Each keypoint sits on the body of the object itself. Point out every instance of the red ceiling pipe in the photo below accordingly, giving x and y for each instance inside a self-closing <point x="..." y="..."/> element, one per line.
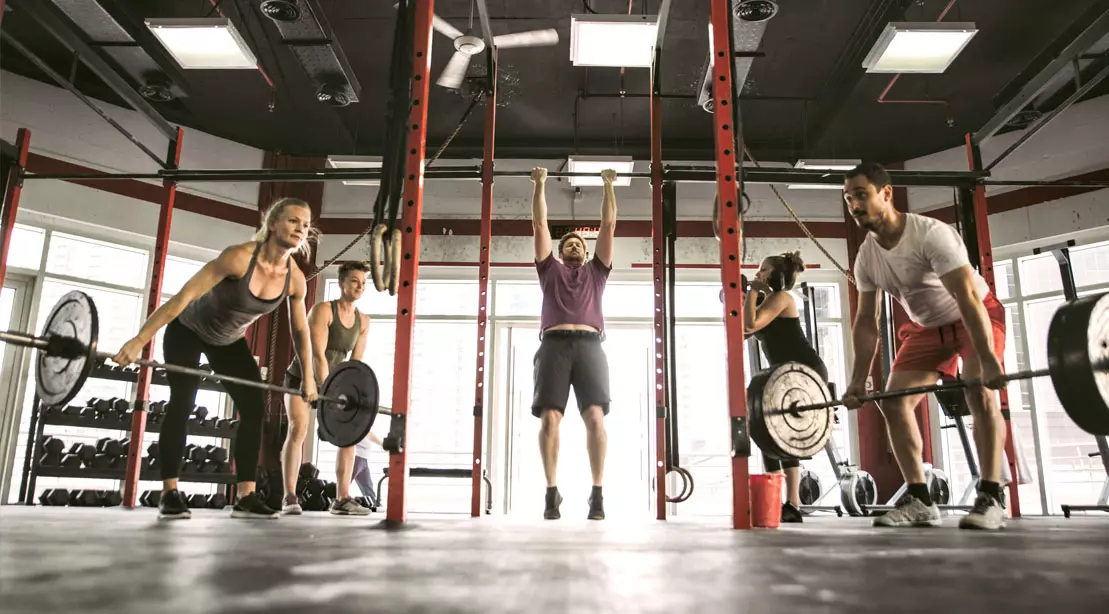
<point x="727" y="179"/>
<point x="484" y="257"/>
<point x="153" y="301"/>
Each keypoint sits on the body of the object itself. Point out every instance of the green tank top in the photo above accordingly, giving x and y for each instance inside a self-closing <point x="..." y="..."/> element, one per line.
<point x="340" y="340"/>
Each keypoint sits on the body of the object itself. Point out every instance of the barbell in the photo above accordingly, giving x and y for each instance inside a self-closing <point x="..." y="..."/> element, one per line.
<point x="790" y="409"/>
<point x="67" y="355"/>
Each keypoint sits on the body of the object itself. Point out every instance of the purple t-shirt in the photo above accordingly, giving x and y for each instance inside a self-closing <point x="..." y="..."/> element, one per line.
<point x="572" y="294"/>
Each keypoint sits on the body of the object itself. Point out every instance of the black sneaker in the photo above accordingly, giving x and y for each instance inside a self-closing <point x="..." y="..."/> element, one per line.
<point x="596" y="506"/>
<point x="791" y="513"/>
<point x="553" y="501"/>
<point x="172" y="506"/>
<point x="252" y="506"/>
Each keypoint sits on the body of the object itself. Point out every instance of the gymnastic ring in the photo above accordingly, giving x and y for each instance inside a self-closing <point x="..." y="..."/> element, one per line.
<point x="738" y="215"/>
<point x="689" y="476"/>
<point x="687" y="486"/>
<point x="377" y="256"/>
<point x="392" y="263"/>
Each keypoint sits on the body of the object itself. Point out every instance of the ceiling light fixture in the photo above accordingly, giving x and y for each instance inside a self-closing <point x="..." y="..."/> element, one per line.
<point x="621" y="41"/>
<point x="911" y="47"/>
<point x="835" y="167"/>
<point x="356" y="162"/>
<point x="595" y="164"/>
<point x="203" y="43"/>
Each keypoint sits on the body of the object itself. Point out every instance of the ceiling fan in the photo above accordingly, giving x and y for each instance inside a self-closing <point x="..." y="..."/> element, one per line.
<point x="467" y="45"/>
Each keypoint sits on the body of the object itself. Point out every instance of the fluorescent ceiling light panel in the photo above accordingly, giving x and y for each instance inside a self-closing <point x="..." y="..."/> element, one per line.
<point x="595" y="164"/>
<point x="911" y="47"/>
<point x="203" y="42"/>
<point x="613" y="40"/>
<point x="356" y="162"/>
<point x="836" y="167"/>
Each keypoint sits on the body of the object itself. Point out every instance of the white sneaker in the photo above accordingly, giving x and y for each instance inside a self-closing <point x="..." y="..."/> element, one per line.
<point x="349" y="507"/>
<point x="910" y="512"/>
<point x="291" y="506"/>
<point x="988" y="514"/>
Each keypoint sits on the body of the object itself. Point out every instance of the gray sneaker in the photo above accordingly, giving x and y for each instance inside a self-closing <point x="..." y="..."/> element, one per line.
<point x="291" y="506"/>
<point x="987" y="514"/>
<point x="910" y="512"/>
<point x="349" y="507"/>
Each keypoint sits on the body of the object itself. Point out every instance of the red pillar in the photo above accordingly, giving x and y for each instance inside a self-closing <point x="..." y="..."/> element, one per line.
<point x="483" y="282"/>
<point x="727" y="180"/>
<point x="153" y="301"/>
<point x="410" y="259"/>
<point x="11" y="198"/>
<point x="985" y="267"/>
<point x="658" y="251"/>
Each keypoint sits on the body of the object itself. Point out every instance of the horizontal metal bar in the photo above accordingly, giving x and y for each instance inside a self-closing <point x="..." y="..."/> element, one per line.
<point x="1047" y="184"/>
<point x="670" y="173"/>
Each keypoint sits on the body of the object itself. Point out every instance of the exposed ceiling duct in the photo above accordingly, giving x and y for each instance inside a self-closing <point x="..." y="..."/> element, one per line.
<point x="748" y="26"/>
<point x="305" y="31"/>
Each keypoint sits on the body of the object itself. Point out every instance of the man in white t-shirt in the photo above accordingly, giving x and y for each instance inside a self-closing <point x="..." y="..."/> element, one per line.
<point x="361" y="474"/>
<point x="923" y="264"/>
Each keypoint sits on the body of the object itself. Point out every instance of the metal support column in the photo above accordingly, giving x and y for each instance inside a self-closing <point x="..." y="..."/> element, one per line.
<point x="658" y="250"/>
<point x="483" y="280"/>
<point x="981" y="231"/>
<point x="412" y="204"/>
<point x="14" y="190"/>
<point x="726" y="129"/>
<point x="153" y="300"/>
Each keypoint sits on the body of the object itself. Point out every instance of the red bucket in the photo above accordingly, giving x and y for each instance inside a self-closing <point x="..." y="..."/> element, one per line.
<point x="766" y="500"/>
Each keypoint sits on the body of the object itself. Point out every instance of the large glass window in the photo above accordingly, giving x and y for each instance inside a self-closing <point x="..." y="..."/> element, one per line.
<point x="85" y="258"/>
<point x="25" y="250"/>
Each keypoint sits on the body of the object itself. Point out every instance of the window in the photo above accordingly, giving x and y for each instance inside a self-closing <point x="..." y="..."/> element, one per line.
<point x="1091" y="264"/>
<point x="518" y="298"/>
<point x="697" y="300"/>
<point x="97" y="261"/>
<point x="434" y="297"/>
<point x="1004" y="281"/>
<point x="629" y="300"/>
<point x="25" y="250"/>
<point x="826" y="301"/>
<point x="1039" y="274"/>
<point x="177" y="272"/>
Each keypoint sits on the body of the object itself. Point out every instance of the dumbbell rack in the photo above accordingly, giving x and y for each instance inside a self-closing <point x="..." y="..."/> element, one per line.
<point x="33" y="469"/>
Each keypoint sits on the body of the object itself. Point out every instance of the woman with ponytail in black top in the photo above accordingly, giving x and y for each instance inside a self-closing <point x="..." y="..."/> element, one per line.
<point x="776" y="323"/>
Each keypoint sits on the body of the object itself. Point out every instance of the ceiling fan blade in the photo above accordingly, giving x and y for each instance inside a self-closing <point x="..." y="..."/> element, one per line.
<point x="534" y="38"/>
<point x="441" y="26"/>
<point x="455" y="71"/>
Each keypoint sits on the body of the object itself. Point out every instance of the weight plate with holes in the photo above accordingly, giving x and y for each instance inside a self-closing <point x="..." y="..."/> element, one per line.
<point x="809" y="487"/>
<point x="1077" y="341"/>
<point x="939" y="488"/>
<point x="857" y="489"/>
<point x="788" y="435"/>
<point x="57" y="378"/>
<point x="345" y="426"/>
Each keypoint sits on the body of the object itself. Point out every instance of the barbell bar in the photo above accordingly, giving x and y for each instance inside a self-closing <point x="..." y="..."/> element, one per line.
<point x="790" y="406"/>
<point x="67" y="354"/>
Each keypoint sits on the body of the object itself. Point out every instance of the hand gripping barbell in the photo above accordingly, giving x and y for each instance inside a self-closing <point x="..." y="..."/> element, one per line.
<point x="790" y="409"/>
<point x="67" y="355"/>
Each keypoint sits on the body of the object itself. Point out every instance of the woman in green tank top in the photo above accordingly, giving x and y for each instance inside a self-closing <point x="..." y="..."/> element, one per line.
<point x="338" y="330"/>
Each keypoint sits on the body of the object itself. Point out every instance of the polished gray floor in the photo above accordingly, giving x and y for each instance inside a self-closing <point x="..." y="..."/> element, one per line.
<point x="120" y="561"/>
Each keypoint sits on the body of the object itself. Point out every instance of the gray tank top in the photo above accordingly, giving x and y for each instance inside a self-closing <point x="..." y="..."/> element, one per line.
<point x="340" y="340"/>
<point x="222" y="315"/>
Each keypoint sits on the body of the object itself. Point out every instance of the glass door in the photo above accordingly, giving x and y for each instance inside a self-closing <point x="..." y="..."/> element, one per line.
<point x="13" y="316"/>
<point x="630" y="453"/>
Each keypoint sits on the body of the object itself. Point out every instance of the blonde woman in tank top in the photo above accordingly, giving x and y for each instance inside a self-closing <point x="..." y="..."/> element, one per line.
<point x="338" y="331"/>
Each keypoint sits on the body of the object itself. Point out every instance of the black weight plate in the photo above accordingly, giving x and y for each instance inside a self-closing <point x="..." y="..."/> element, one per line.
<point x="57" y="379"/>
<point x="809" y="488"/>
<point x="1077" y="340"/>
<point x="789" y="435"/>
<point x="354" y="381"/>
<point x="939" y="489"/>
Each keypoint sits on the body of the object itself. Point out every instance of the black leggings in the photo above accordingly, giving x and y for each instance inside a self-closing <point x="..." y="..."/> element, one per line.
<point x="183" y="347"/>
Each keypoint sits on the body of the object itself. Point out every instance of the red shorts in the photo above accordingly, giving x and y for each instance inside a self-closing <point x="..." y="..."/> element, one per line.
<point x="937" y="349"/>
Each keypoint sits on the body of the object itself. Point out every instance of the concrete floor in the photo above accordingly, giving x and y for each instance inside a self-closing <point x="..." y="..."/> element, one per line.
<point x="119" y="561"/>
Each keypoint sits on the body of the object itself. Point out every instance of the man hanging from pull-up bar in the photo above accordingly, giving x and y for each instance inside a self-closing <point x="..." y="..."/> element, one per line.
<point x="923" y="263"/>
<point x="572" y="326"/>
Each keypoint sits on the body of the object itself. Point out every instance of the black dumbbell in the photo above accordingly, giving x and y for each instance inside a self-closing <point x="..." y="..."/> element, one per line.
<point x="199" y="413"/>
<point x="102" y="461"/>
<point x="216" y="453"/>
<point x="329" y="490"/>
<point x="118" y="404"/>
<point x="88" y="412"/>
<point x="72" y="410"/>
<point x="85" y="498"/>
<point x="223" y="424"/>
<point x="53" y="445"/>
<point x="150" y="498"/>
<point x="208" y="467"/>
<point x="209" y="423"/>
<point x="110" y="447"/>
<point x="98" y="404"/>
<point x="54" y="497"/>
<point x="196" y="453"/>
<point x="111" y="498"/>
<point x="224" y="467"/>
<point x="70" y="461"/>
<point x="83" y="451"/>
<point x="157" y="407"/>
<point x="309" y="471"/>
<point x="197" y="501"/>
<point x="217" y="501"/>
<point x="190" y="467"/>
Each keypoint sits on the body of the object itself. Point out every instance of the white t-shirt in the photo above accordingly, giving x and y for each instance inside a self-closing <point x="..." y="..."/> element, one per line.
<point x="911" y="271"/>
<point x="362" y="448"/>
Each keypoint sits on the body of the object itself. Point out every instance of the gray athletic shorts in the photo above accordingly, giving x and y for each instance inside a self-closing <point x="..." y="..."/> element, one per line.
<point x="570" y="358"/>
